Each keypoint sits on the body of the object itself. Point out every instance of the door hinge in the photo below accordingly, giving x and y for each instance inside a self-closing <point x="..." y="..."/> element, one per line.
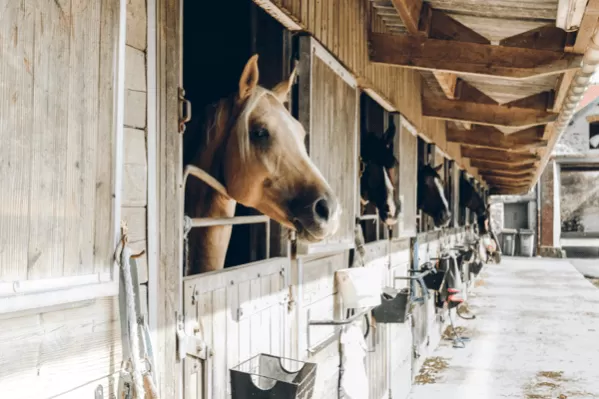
<point x="184" y="110"/>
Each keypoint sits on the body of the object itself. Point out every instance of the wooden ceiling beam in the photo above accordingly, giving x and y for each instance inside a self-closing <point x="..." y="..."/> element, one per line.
<point x="587" y="27"/>
<point x="484" y="114"/>
<point x="492" y="138"/>
<point x="409" y="12"/>
<point x="508" y="180"/>
<point x="503" y="166"/>
<point x="548" y="37"/>
<point x="468" y="58"/>
<point x="497" y="155"/>
<point x="504" y="173"/>
<point x="500" y="190"/>
<point x="448" y="82"/>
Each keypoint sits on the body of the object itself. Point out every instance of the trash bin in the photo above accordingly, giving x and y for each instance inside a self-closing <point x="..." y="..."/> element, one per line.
<point x="508" y="244"/>
<point x="526" y="242"/>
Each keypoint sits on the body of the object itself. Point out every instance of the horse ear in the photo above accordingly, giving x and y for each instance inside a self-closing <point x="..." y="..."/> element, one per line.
<point x="249" y="78"/>
<point x="389" y="135"/>
<point x="282" y="89"/>
<point x="438" y="168"/>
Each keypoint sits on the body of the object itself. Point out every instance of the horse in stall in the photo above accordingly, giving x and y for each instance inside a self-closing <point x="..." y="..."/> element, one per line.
<point x="490" y="248"/>
<point x="255" y="149"/>
<point x="431" y="195"/>
<point x="377" y="172"/>
<point x="473" y="201"/>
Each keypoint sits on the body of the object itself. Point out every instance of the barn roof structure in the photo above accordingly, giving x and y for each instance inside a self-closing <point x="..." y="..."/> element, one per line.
<point x="497" y="73"/>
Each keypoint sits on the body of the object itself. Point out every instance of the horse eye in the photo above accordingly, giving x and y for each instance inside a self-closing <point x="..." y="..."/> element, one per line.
<point x="259" y="134"/>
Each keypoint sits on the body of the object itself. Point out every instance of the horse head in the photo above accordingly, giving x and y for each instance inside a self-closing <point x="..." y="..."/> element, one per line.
<point x="256" y="149"/>
<point x="378" y="167"/>
<point x="431" y="195"/>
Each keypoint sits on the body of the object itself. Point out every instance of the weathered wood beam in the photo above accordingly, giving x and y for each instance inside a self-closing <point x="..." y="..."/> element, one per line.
<point x="484" y="114"/>
<point x="448" y="82"/>
<point x="570" y="13"/>
<point x="501" y="190"/>
<point x="546" y="37"/>
<point x="504" y="173"/>
<point x="436" y="24"/>
<point x="468" y="58"/>
<point x="503" y="166"/>
<point x="587" y="27"/>
<point x="492" y="138"/>
<point x="507" y="180"/>
<point x="497" y="156"/>
<point x="509" y="185"/>
<point x="409" y="11"/>
<point x="541" y="101"/>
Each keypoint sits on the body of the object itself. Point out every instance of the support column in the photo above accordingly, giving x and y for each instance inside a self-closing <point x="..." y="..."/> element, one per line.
<point x="550" y="217"/>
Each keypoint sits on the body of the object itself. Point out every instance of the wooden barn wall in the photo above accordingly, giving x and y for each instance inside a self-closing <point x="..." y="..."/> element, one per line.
<point x="342" y="27"/>
<point x="333" y="111"/>
<point x="68" y="351"/>
<point x="408" y="176"/>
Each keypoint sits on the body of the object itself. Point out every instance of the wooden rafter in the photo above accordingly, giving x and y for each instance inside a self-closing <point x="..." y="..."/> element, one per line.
<point x="448" y="82"/>
<point x="503" y="166"/>
<point x="409" y="11"/>
<point x="485" y="114"/>
<point x="587" y="27"/>
<point x="507" y="179"/>
<point x="546" y="37"/>
<point x="468" y="58"/>
<point x="492" y="138"/>
<point x="506" y="173"/>
<point x="497" y="156"/>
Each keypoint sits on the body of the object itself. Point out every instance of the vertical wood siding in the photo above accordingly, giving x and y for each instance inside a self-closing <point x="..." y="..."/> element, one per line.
<point x="212" y="304"/>
<point x="408" y="175"/>
<point x="56" y="72"/>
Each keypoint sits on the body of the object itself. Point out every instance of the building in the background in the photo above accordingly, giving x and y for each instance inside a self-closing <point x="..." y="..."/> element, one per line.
<point x="515" y="214"/>
<point x="568" y="191"/>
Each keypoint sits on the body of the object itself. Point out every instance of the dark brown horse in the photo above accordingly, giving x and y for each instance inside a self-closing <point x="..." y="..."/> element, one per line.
<point x="431" y="195"/>
<point x="470" y="199"/>
<point x="377" y="171"/>
<point x="255" y="149"/>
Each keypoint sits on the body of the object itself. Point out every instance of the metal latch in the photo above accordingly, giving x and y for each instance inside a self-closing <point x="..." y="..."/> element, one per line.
<point x="192" y="345"/>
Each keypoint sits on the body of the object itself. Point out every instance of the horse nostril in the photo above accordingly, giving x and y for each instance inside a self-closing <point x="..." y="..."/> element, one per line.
<point x="321" y="209"/>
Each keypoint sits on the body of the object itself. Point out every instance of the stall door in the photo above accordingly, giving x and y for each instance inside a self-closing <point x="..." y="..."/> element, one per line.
<point x="236" y="313"/>
<point x="328" y="110"/>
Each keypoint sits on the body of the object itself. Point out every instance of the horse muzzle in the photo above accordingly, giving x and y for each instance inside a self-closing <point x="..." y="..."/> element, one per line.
<point x="318" y="220"/>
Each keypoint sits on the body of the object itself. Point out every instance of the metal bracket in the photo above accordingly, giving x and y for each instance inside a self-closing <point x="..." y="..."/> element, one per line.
<point x="191" y="345"/>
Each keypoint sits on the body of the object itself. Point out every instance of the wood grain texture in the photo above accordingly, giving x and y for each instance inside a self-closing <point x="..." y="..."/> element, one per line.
<point x="408" y="175"/>
<point x="58" y="68"/>
<point x="211" y="312"/>
<point x="56" y="353"/>
<point x="332" y="108"/>
<point x="485" y="114"/>
<point x="467" y="58"/>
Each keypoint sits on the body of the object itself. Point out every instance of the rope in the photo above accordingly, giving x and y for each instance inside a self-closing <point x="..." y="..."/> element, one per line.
<point x="143" y="382"/>
<point x="132" y="321"/>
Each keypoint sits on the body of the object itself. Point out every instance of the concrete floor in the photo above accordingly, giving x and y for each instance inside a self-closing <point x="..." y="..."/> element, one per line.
<point x="588" y="267"/>
<point x="535" y="336"/>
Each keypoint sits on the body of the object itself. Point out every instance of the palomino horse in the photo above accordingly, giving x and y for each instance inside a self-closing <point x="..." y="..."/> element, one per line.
<point x="473" y="201"/>
<point x="377" y="168"/>
<point x="255" y="149"/>
<point x="431" y="195"/>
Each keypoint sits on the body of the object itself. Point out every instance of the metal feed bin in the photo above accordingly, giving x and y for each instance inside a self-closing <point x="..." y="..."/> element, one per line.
<point x="526" y="242"/>
<point x="508" y="241"/>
